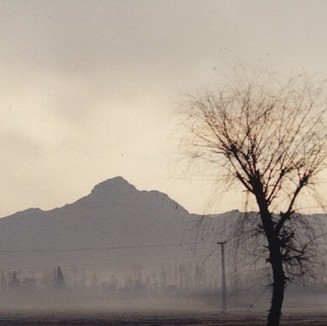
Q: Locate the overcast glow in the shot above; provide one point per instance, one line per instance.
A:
(89, 88)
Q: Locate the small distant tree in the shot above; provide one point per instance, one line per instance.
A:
(271, 140)
(59, 281)
(3, 282)
(14, 281)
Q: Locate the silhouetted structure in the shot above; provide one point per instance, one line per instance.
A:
(59, 281)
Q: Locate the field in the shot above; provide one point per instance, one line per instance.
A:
(147, 319)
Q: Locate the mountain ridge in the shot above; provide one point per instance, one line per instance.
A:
(114, 212)
(150, 226)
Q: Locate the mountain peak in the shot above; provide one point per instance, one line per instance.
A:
(114, 185)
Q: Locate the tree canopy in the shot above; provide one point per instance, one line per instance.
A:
(272, 140)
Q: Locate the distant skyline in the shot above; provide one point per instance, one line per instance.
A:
(90, 89)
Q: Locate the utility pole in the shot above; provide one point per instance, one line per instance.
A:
(223, 278)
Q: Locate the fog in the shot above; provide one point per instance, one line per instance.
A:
(166, 276)
(129, 280)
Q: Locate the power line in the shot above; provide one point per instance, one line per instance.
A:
(180, 244)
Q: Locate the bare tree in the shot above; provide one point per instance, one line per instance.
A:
(271, 139)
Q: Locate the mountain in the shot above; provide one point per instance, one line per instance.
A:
(114, 243)
(115, 213)
(114, 223)
(123, 237)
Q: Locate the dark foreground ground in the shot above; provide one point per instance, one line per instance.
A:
(146, 319)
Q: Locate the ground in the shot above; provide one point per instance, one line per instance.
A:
(146, 319)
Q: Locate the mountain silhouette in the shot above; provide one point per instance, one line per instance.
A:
(115, 219)
(115, 213)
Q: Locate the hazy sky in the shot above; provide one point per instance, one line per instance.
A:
(90, 89)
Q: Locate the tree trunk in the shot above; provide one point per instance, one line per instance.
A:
(278, 287)
(275, 257)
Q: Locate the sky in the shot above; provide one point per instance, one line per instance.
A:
(90, 89)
